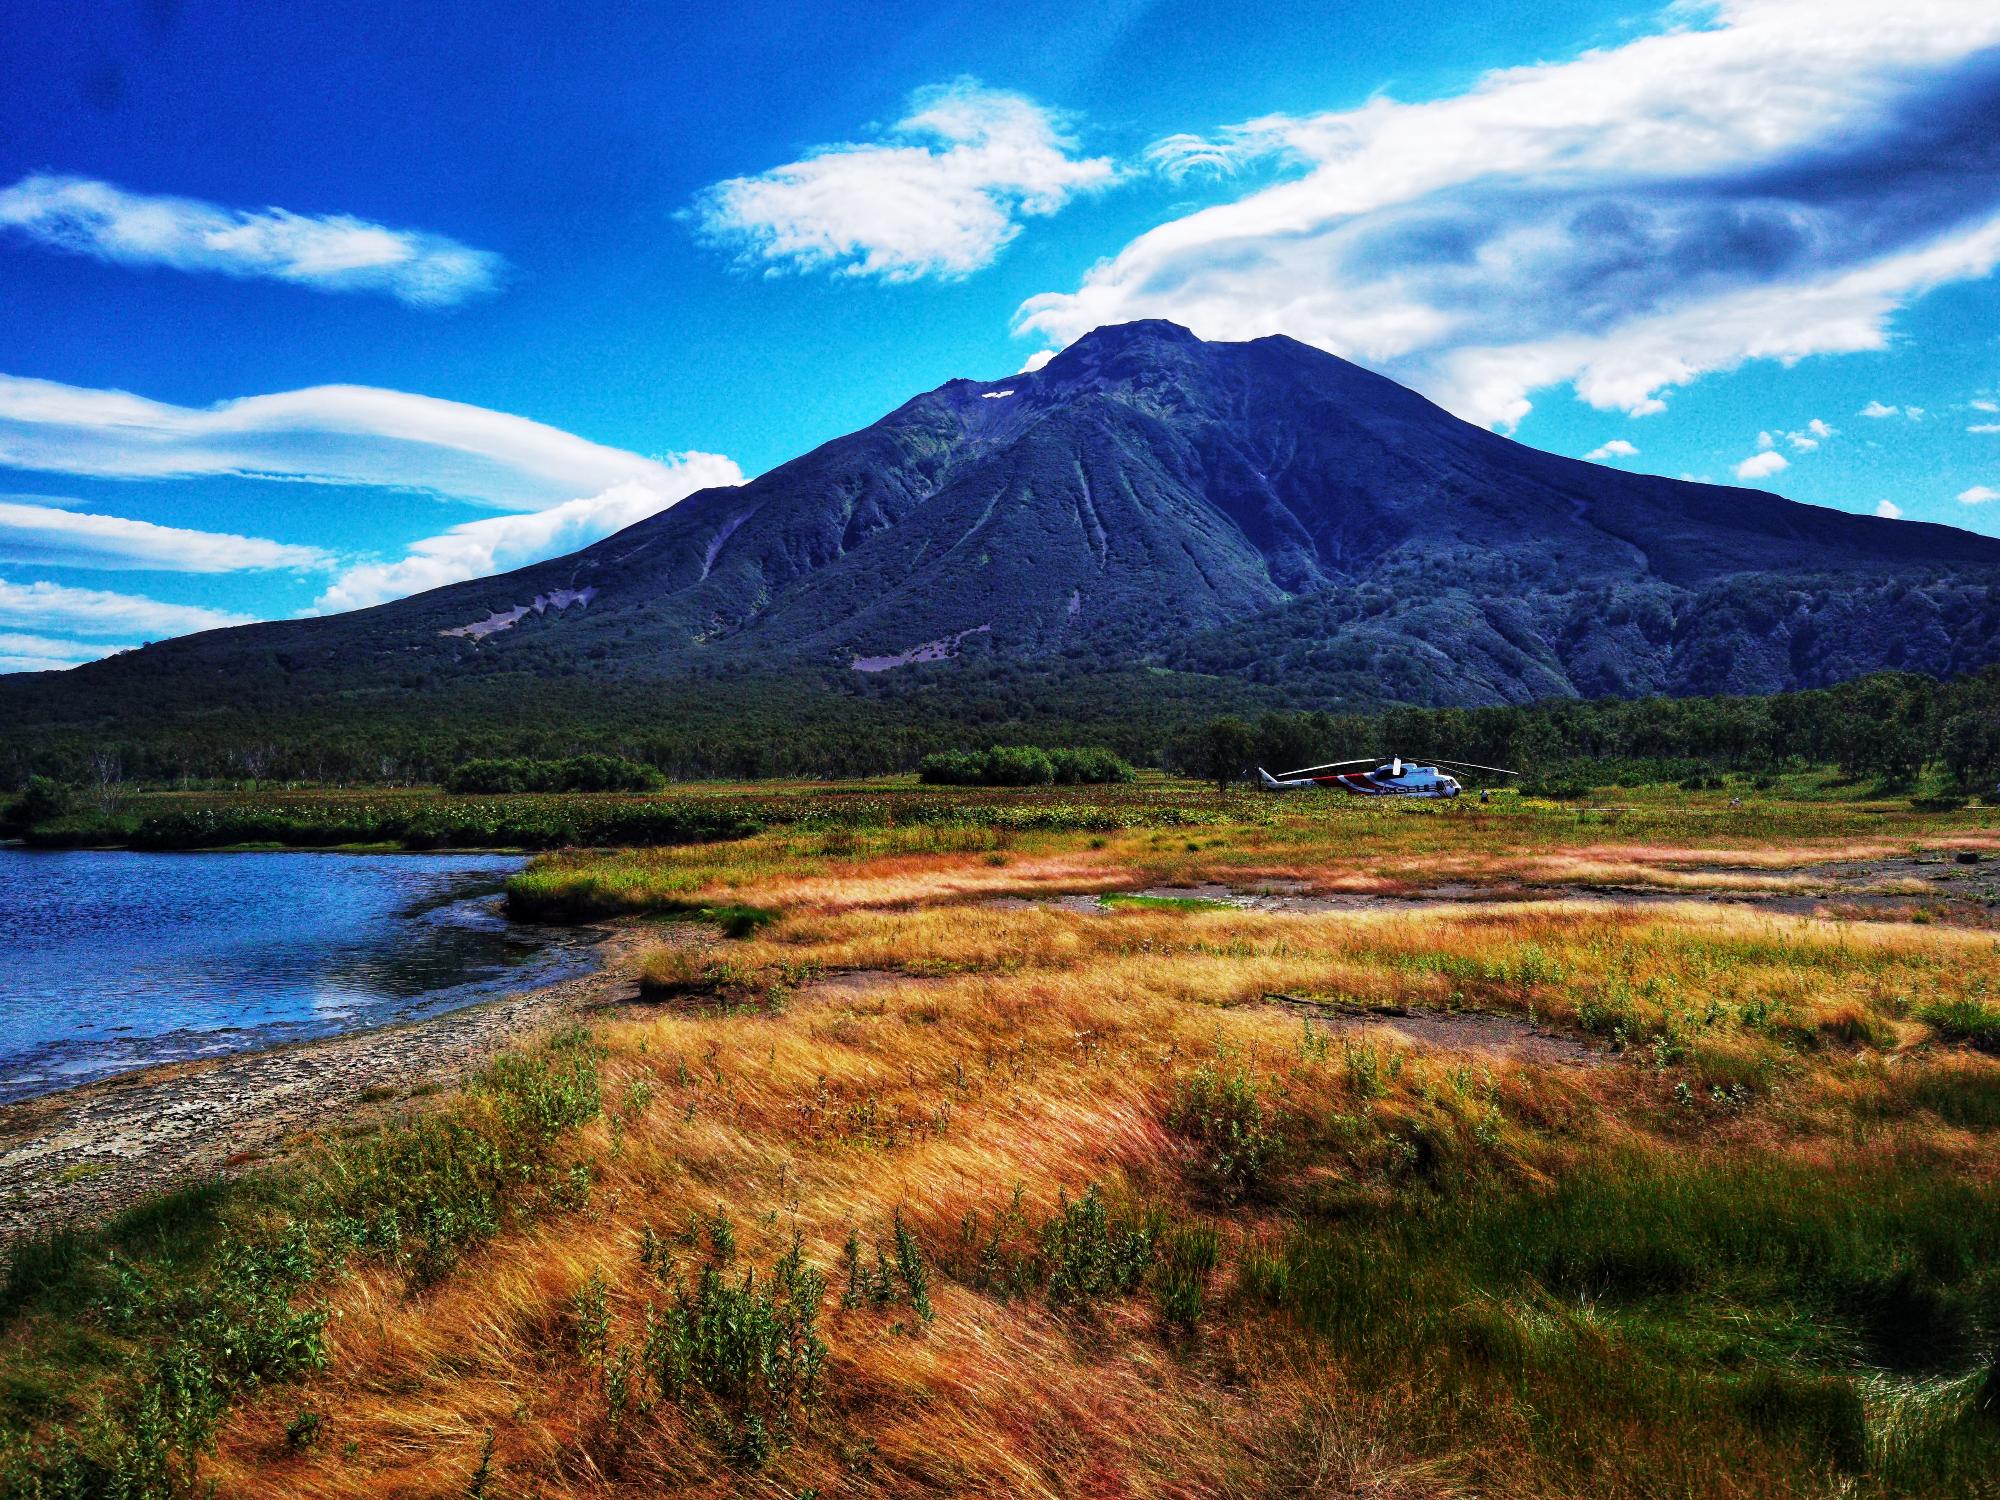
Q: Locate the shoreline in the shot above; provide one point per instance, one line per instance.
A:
(75, 1157)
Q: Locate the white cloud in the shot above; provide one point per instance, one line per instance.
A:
(1807, 438)
(329, 434)
(333, 252)
(1986, 406)
(1979, 494)
(1762, 465)
(41, 653)
(1878, 410)
(56, 537)
(1889, 510)
(95, 614)
(1914, 413)
(1625, 221)
(1984, 427)
(1036, 360)
(1764, 440)
(479, 548)
(939, 196)
(1616, 448)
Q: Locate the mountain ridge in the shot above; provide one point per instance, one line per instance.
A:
(1261, 510)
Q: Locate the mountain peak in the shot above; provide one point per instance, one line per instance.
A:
(1139, 331)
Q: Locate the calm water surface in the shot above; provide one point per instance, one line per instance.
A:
(112, 960)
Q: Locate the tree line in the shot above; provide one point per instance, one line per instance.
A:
(1889, 726)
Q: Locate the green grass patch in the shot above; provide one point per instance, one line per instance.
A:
(1648, 1315)
(1164, 903)
(1971, 1022)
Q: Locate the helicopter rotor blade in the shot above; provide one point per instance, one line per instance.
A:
(1466, 765)
(1334, 765)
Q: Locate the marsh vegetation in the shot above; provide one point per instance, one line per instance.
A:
(915, 1175)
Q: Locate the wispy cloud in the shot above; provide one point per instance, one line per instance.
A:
(54, 537)
(940, 193)
(565, 491)
(1766, 179)
(1889, 510)
(329, 252)
(330, 434)
(1979, 494)
(479, 548)
(41, 653)
(96, 614)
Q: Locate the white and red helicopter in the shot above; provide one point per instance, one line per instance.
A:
(1395, 777)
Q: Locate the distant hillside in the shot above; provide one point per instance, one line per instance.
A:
(1263, 513)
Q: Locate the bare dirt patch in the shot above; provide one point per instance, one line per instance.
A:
(1507, 1038)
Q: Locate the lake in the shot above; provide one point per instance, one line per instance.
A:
(112, 960)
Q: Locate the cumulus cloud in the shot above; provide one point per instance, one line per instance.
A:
(939, 195)
(1616, 448)
(1036, 360)
(329, 434)
(56, 537)
(1979, 494)
(1767, 179)
(479, 548)
(329, 252)
(1762, 465)
(1878, 410)
(95, 614)
(1889, 510)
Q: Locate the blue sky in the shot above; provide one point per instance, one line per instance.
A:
(304, 308)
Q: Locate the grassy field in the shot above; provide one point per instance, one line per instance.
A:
(1345, 1149)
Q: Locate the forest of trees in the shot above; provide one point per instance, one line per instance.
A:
(1889, 727)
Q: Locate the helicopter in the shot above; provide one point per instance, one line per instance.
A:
(1395, 777)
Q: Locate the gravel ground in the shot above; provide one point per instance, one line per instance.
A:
(77, 1156)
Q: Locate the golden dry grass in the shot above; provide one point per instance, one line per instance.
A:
(895, 1045)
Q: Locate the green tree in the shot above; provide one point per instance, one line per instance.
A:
(1223, 749)
(43, 801)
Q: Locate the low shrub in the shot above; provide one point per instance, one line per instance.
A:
(1223, 1115)
(744, 1359)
